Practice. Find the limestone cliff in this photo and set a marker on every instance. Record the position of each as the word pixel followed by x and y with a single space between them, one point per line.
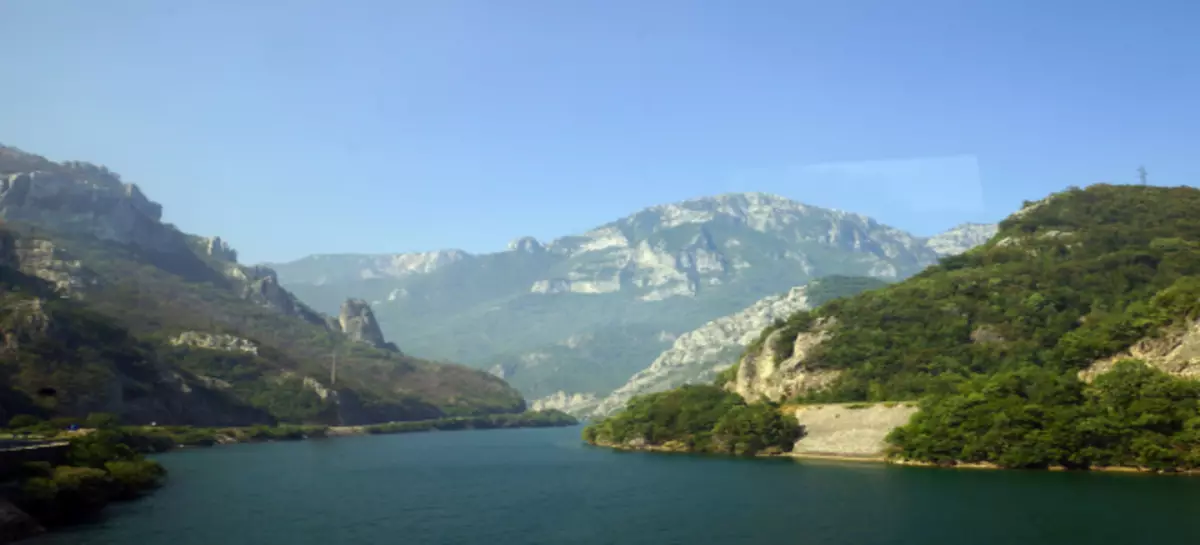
pixel 88 200
pixel 42 258
pixel 358 322
pixel 765 374
pixel 573 404
pixel 698 355
pixel 1177 352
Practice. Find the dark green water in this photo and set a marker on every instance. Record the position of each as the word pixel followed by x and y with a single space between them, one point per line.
pixel 525 487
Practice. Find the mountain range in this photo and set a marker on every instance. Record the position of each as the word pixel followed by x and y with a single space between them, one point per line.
pixel 571 320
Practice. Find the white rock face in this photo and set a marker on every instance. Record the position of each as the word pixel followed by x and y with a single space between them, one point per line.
pixel 88 200
pixel 398 265
pixel 961 238
pixel 760 377
pixel 215 341
pixel 1176 353
pixel 575 404
pixel 697 356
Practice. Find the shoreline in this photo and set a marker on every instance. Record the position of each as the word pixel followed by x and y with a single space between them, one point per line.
pixel 884 460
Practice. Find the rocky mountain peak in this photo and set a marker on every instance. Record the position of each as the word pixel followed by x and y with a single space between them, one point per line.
pixel 219 249
pixel 358 322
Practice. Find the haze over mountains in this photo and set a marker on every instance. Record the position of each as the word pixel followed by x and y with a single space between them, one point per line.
pixel 575 317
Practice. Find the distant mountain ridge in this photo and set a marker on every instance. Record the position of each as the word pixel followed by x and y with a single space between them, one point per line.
pixel 618 294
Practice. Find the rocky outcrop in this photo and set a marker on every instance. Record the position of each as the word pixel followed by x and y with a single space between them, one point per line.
pixel 86 200
pixel 260 285
pixel 962 238
pixel 1176 352
pixel 765 375
pixel 358 322
pixel 219 249
pixel 573 404
pixel 43 259
pixel 849 430
pixel 215 341
pixel 697 356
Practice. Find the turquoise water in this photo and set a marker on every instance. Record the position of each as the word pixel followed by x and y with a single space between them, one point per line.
pixel 541 486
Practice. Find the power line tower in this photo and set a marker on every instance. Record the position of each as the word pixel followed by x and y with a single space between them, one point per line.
pixel 1142 175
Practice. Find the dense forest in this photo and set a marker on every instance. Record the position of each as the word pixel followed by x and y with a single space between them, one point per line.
pixel 1132 416
pixel 697 418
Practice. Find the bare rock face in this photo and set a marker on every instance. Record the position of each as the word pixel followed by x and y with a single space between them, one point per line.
pixel 358 322
pixel 577 403
pixel 961 238
pixel 760 377
pixel 87 200
pixel 220 249
pixel 215 341
pixel 43 259
pixel 698 355
pixel 1176 353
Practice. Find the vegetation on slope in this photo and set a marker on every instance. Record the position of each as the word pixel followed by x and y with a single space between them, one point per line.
pixel 1074 278
pixel 1132 416
pixel 177 286
pixel 697 418
pixel 993 340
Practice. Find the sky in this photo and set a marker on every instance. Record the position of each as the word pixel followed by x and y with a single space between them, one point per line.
pixel 293 127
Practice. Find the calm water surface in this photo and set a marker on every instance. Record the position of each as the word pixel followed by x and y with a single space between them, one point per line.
pixel 541 486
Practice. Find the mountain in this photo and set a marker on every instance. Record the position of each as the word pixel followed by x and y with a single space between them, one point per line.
pixel 1067 282
pixel 115 310
pixel 580 314
pixel 698 355
pixel 1069 339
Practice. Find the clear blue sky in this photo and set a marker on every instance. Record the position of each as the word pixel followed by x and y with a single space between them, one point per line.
pixel 296 127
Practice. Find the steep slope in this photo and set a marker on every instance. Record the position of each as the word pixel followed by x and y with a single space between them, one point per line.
pixel 1067 281
pixel 58 357
pixel 698 355
pixel 641 280
pixel 102 242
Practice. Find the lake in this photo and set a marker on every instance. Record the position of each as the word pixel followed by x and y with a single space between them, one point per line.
pixel 543 486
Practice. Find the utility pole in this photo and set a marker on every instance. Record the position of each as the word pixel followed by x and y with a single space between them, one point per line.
pixel 1142 175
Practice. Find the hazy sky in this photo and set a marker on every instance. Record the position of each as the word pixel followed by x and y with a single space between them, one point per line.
pixel 296 127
